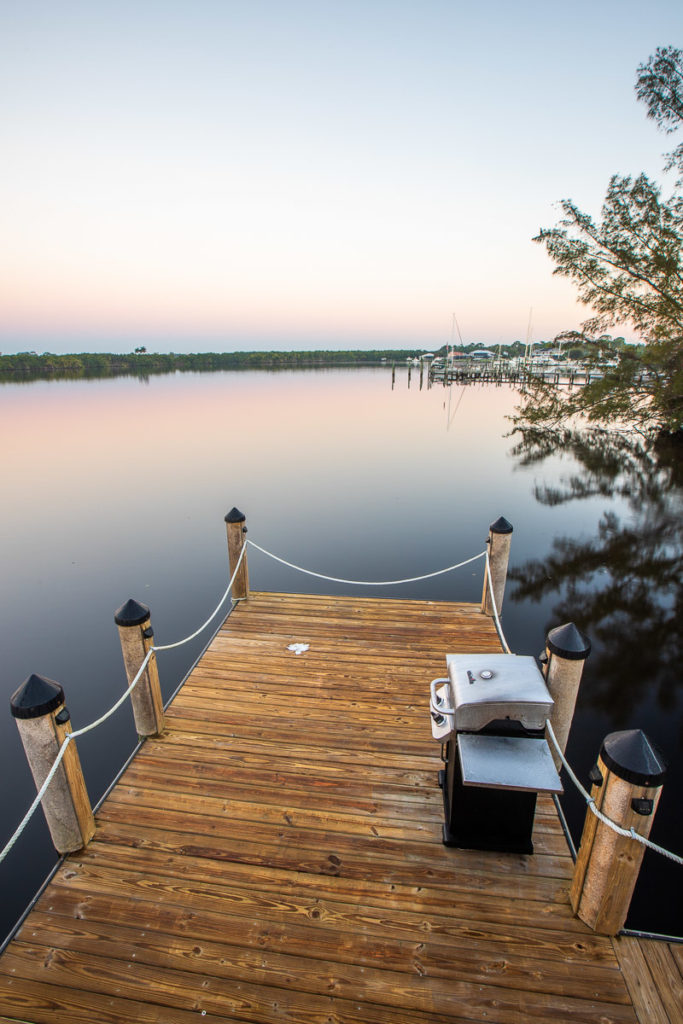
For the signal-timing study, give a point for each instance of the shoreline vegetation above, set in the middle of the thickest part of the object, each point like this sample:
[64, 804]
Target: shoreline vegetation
[26, 366]
[29, 366]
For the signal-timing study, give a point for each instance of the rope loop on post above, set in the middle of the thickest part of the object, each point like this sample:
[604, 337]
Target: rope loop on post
[590, 802]
[496, 617]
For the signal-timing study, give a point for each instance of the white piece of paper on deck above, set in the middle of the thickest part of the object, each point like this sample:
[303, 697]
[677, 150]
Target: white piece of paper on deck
[298, 648]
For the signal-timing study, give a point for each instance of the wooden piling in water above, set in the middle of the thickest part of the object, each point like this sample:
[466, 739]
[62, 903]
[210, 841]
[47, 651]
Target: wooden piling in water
[500, 535]
[627, 785]
[43, 722]
[235, 522]
[566, 650]
[136, 636]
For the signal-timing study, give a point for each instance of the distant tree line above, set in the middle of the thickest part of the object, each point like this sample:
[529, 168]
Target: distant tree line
[31, 366]
[141, 363]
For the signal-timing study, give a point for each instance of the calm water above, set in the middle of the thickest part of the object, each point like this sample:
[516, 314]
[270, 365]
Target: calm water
[118, 488]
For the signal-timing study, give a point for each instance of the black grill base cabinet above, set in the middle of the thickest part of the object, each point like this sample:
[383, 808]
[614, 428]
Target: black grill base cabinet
[476, 818]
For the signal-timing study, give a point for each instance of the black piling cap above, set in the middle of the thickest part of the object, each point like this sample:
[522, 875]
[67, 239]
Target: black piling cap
[36, 696]
[235, 516]
[501, 525]
[132, 613]
[568, 642]
[632, 757]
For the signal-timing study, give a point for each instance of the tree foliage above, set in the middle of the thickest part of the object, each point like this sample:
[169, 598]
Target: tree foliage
[659, 85]
[628, 268]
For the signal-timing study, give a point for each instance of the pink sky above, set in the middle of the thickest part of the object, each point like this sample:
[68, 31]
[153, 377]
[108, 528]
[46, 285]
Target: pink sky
[222, 176]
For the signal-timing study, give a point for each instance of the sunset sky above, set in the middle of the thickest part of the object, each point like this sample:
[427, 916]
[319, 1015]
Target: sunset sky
[221, 175]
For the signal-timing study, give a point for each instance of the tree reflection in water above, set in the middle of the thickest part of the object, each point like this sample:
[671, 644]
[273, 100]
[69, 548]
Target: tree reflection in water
[624, 586]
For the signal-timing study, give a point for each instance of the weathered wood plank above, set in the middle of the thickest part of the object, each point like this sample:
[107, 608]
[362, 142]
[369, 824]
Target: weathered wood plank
[263, 747]
[355, 856]
[646, 999]
[666, 977]
[270, 872]
[38, 1002]
[509, 931]
[301, 791]
[676, 951]
[346, 733]
[392, 971]
[412, 773]
[206, 891]
[264, 1004]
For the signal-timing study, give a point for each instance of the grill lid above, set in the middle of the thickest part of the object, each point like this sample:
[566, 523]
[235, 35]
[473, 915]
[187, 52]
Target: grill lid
[487, 687]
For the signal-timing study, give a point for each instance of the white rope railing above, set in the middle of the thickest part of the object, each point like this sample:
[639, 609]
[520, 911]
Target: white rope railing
[626, 833]
[179, 643]
[212, 616]
[103, 718]
[365, 583]
[499, 628]
[62, 750]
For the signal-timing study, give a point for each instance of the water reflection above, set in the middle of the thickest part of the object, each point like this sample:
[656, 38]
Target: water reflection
[624, 585]
[113, 489]
[621, 583]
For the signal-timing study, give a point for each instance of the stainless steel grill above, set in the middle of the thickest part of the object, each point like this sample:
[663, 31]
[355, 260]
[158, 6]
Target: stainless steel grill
[487, 687]
[491, 712]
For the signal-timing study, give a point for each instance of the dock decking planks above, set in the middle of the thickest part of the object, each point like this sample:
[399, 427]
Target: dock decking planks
[276, 856]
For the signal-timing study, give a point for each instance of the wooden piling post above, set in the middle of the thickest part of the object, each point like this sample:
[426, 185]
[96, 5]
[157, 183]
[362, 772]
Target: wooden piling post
[136, 636]
[627, 786]
[566, 649]
[235, 522]
[500, 535]
[44, 722]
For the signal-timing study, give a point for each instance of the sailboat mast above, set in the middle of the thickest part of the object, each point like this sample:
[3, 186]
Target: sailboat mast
[527, 350]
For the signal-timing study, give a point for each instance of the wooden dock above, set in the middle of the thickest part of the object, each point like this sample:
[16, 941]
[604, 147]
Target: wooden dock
[276, 856]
